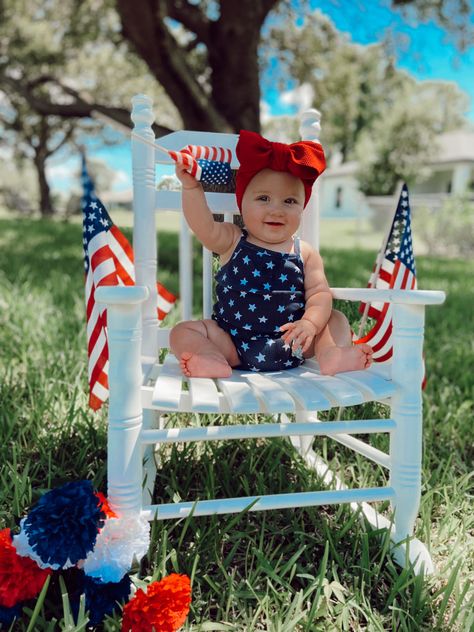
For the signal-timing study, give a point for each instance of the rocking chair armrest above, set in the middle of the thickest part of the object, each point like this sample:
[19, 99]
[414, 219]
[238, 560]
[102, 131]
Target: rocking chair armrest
[121, 294]
[406, 297]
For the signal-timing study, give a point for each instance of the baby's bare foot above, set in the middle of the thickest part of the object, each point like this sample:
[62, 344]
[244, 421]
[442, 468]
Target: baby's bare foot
[339, 359]
[204, 365]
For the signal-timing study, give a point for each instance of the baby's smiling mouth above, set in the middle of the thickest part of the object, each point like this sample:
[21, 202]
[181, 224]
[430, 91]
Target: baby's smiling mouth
[274, 223]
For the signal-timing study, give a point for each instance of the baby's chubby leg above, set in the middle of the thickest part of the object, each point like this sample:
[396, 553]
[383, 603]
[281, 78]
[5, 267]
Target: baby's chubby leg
[334, 350]
[203, 349]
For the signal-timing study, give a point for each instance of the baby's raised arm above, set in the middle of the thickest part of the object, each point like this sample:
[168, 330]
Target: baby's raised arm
[215, 236]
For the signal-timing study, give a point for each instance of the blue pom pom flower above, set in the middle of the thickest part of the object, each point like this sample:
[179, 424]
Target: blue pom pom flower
[62, 527]
[105, 598]
[8, 615]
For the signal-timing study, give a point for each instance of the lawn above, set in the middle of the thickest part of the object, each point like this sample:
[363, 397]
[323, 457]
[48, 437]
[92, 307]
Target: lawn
[302, 570]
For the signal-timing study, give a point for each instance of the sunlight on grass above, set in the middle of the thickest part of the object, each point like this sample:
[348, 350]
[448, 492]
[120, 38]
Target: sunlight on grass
[292, 570]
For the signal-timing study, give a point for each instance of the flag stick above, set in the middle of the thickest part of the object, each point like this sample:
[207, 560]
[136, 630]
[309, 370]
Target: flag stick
[149, 142]
[378, 263]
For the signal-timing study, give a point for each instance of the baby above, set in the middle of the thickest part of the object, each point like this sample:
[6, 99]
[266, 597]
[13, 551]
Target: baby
[274, 305]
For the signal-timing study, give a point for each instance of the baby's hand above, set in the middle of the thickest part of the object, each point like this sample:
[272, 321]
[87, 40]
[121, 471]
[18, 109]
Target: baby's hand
[299, 335]
[187, 180]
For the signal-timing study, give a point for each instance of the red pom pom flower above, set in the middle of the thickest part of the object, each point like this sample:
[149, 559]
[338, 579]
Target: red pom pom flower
[20, 577]
[163, 608]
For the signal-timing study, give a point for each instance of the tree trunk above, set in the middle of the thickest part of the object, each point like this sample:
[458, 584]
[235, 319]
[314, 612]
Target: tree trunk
[232, 100]
[234, 62]
[46, 204]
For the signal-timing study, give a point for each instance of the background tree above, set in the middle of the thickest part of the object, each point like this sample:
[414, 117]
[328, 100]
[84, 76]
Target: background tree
[371, 111]
[83, 60]
[204, 55]
[43, 60]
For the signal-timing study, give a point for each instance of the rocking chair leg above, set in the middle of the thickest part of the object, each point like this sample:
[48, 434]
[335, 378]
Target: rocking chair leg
[124, 463]
[406, 439]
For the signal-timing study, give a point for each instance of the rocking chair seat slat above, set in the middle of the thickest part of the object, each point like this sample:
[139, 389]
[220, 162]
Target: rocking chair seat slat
[204, 395]
[371, 384]
[238, 393]
[339, 392]
[168, 385]
[272, 398]
[306, 395]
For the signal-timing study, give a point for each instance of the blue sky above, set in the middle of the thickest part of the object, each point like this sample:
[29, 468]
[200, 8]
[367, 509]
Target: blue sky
[423, 50]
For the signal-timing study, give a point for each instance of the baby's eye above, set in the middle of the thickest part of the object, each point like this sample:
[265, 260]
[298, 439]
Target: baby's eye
[263, 198]
[291, 201]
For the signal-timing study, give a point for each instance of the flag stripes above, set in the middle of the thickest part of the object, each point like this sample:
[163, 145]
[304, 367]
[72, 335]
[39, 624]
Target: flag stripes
[207, 164]
[397, 271]
[108, 260]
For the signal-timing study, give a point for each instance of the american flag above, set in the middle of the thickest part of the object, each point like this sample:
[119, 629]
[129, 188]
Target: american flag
[108, 260]
[207, 164]
[396, 265]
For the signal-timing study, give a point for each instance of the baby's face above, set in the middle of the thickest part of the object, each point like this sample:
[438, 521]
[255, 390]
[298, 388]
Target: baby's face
[272, 206]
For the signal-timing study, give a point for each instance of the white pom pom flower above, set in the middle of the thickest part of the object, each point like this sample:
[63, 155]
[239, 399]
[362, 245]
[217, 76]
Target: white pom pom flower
[120, 542]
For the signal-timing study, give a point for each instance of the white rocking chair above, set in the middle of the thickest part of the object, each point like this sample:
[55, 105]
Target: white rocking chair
[142, 388]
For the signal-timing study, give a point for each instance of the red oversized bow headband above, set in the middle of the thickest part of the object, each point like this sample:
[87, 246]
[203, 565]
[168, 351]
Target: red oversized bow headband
[304, 159]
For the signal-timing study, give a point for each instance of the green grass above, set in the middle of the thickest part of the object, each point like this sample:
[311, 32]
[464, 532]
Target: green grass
[304, 570]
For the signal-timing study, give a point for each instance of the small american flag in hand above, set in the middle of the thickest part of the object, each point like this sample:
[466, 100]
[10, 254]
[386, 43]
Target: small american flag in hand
[210, 165]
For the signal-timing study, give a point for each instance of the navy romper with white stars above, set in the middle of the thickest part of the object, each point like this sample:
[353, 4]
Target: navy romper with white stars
[258, 291]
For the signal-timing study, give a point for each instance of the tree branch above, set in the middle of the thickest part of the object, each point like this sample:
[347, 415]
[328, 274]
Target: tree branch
[66, 138]
[191, 17]
[144, 26]
[79, 108]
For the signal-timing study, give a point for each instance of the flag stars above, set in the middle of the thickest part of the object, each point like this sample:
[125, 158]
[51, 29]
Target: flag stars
[246, 260]
[256, 273]
[252, 307]
[262, 319]
[243, 281]
[270, 265]
[237, 315]
[283, 277]
[245, 346]
[260, 357]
